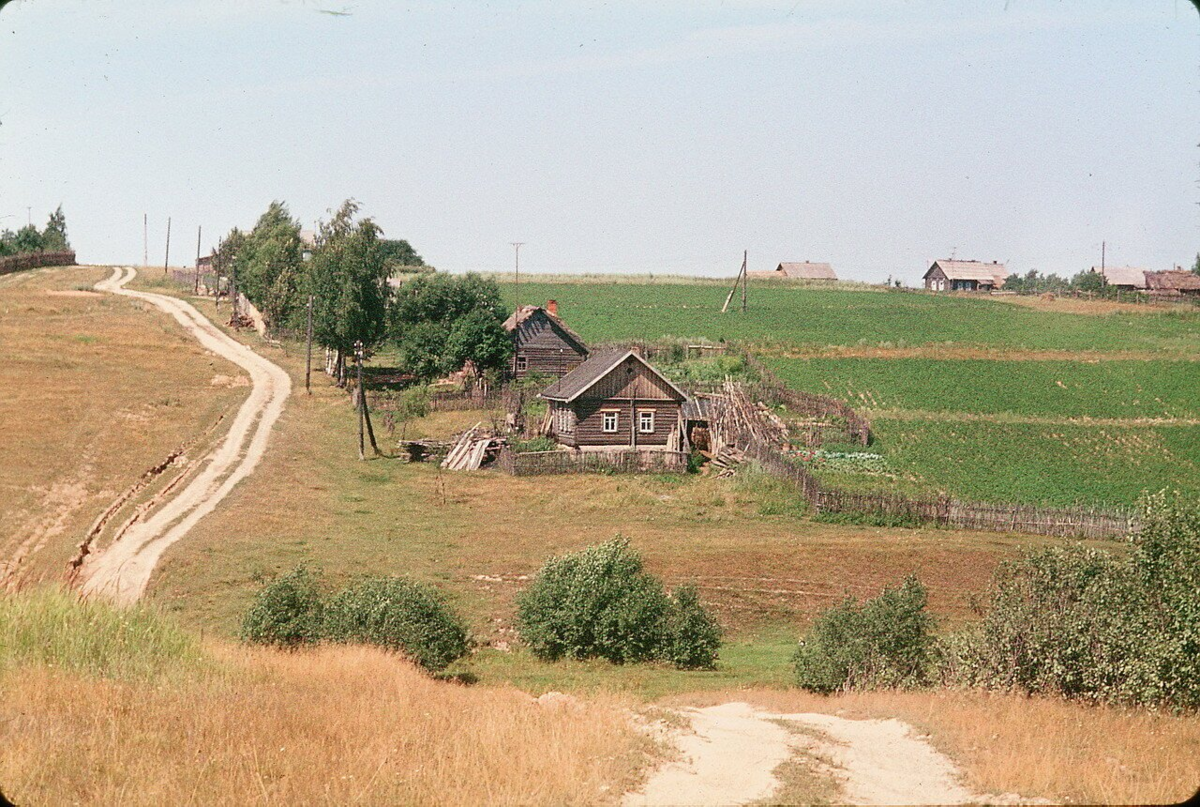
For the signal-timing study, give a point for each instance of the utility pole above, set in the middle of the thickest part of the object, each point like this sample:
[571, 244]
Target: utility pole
[1103, 250]
[517, 268]
[308, 360]
[739, 280]
[745, 278]
[199, 229]
[358, 358]
[167, 259]
[145, 240]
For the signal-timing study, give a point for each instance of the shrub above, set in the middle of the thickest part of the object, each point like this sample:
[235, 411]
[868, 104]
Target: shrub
[884, 642]
[601, 603]
[286, 612]
[399, 615]
[692, 637]
[1086, 624]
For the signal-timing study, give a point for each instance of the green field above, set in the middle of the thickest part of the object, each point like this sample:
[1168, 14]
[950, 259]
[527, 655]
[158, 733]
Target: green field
[782, 316]
[1042, 389]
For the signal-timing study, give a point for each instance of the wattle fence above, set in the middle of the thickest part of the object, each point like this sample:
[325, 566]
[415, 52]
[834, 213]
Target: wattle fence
[35, 260]
[625, 461]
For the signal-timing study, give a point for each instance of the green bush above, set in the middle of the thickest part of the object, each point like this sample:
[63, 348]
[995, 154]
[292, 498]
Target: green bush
[692, 637]
[399, 615]
[885, 642]
[1086, 624]
[601, 603]
[286, 612]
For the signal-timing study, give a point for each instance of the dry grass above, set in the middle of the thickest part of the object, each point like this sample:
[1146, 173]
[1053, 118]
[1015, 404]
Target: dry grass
[1043, 747]
[331, 726]
[94, 389]
[1073, 305]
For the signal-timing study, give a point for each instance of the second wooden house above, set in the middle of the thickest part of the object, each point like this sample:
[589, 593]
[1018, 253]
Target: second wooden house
[616, 399]
[543, 343]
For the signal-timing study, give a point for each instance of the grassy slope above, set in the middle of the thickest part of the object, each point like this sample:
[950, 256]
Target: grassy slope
[95, 390]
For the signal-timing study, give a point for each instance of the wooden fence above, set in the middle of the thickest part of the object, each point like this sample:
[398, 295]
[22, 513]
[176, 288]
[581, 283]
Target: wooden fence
[626, 461]
[848, 425]
[1074, 522]
[34, 260]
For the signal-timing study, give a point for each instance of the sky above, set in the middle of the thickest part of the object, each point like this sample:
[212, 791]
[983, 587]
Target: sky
[626, 137]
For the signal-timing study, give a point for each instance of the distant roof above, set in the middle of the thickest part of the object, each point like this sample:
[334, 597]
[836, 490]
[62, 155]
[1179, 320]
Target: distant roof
[1123, 275]
[308, 238]
[594, 368]
[972, 270]
[526, 311]
[807, 270]
[1177, 279]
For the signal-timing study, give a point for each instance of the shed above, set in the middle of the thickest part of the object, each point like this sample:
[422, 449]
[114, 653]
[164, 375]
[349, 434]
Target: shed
[950, 275]
[542, 342]
[616, 399]
[1126, 278]
[805, 270]
[1173, 283]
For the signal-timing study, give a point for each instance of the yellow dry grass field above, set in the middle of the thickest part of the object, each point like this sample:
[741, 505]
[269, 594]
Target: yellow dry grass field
[94, 391]
[1035, 747]
[328, 726]
[1075, 305]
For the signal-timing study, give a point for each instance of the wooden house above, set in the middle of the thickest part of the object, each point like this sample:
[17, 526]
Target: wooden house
[543, 343]
[947, 275]
[805, 270]
[616, 399]
[1173, 283]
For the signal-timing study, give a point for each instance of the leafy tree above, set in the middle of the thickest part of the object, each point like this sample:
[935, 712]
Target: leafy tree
[397, 253]
[479, 337]
[270, 265]
[423, 350]
[349, 280]
[54, 237]
[287, 612]
[27, 239]
[8, 242]
[440, 321]
[225, 261]
[1088, 281]
[1196, 265]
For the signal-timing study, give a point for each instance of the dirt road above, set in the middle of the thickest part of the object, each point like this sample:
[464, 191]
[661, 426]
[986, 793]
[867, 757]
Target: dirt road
[732, 750]
[123, 569]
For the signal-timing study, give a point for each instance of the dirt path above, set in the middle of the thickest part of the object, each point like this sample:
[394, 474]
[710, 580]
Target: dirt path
[123, 569]
[732, 751]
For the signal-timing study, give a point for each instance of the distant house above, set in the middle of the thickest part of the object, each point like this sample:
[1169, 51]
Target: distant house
[947, 275]
[1173, 283]
[616, 399]
[1125, 278]
[542, 342]
[798, 271]
[308, 244]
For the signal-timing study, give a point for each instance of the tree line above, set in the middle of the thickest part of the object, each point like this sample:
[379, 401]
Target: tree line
[30, 239]
[436, 322]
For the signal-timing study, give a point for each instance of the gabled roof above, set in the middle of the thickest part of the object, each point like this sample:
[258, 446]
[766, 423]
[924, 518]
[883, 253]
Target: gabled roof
[1177, 279]
[1123, 276]
[807, 271]
[594, 368]
[518, 317]
[972, 270]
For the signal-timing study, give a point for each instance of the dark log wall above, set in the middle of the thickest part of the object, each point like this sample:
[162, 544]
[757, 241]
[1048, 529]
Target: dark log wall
[545, 348]
[589, 425]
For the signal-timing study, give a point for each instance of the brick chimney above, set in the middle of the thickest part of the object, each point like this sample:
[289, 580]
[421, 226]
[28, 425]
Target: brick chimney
[552, 307]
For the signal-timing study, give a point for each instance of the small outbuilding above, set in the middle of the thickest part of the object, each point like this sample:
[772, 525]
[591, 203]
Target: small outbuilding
[1173, 283]
[805, 270]
[616, 399]
[950, 275]
[542, 342]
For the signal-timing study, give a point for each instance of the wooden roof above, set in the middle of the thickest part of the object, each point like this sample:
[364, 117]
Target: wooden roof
[593, 370]
[1123, 276]
[1173, 280]
[806, 270]
[522, 314]
[972, 270]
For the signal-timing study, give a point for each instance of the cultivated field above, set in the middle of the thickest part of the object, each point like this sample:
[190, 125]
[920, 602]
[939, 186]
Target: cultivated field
[1061, 403]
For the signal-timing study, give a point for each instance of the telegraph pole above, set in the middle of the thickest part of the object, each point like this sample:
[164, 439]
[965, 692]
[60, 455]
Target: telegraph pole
[745, 278]
[199, 229]
[167, 259]
[517, 268]
[145, 240]
[358, 358]
[308, 360]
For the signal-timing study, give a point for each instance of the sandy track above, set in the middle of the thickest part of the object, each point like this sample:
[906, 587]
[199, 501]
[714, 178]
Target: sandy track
[122, 570]
[732, 750]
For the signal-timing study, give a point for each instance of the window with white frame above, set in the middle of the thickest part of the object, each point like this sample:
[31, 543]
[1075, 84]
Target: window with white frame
[522, 363]
[609, 421]
[646, 421]
[566, 421]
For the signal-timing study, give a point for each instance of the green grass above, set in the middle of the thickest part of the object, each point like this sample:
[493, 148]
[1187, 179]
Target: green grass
[788, 316]
[1047, 389]
[55, 628]
[1039, 464]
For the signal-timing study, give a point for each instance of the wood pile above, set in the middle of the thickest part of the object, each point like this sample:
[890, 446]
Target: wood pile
[739, 421]
[421, 450]
[472, 448]
[725, 461]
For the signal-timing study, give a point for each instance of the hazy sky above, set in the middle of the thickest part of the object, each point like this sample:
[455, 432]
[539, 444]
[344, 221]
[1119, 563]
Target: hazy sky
[657, 137]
